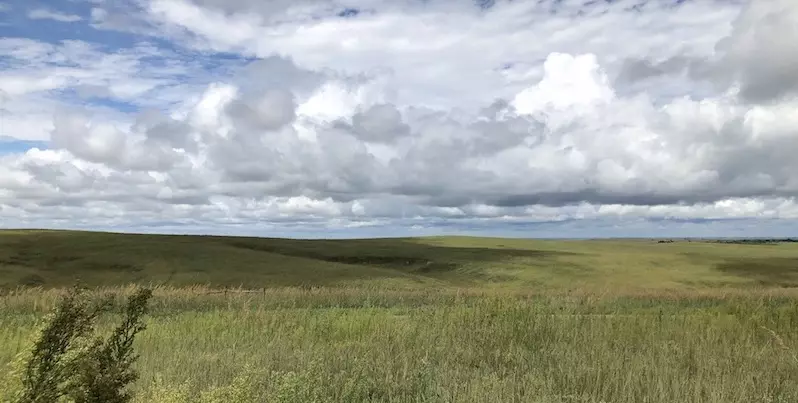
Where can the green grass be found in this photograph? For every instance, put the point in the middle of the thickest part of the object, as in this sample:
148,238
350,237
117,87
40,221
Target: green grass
292,344
447,319
58,258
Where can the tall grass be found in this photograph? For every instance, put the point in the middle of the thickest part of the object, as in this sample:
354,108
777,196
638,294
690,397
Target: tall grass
452,345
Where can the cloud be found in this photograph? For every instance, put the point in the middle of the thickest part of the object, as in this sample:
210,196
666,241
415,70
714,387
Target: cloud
40,80
759,53
46,14
422,43
397,117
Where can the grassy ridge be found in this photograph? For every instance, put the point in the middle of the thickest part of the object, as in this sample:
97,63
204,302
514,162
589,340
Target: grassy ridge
57,258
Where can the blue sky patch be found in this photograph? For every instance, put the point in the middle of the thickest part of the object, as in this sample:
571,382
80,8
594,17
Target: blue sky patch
11,146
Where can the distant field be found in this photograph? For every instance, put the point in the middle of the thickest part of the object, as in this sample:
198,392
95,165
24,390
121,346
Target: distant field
58,258
449,319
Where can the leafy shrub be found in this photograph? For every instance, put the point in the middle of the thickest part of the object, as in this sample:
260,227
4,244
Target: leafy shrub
67,364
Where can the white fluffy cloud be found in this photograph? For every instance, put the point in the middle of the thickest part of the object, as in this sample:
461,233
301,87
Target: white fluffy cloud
405,114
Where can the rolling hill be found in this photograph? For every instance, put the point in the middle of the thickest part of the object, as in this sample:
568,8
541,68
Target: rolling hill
59,258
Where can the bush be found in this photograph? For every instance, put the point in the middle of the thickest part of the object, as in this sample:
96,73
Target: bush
67,362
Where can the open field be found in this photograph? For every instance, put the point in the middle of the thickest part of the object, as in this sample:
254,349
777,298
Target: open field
57,258
433,319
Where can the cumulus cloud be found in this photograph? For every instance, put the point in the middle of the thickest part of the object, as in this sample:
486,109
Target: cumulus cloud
421,43
336,125
759,55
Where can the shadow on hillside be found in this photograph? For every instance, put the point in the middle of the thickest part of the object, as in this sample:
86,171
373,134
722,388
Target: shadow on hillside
400,254
50,255
766,271
52,258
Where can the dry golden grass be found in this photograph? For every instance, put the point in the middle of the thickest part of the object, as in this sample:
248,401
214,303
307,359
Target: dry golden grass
452,345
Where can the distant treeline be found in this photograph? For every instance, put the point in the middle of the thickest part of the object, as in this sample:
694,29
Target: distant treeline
757,241
752,241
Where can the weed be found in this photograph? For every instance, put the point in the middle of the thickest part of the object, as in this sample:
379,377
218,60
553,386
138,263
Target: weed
66,363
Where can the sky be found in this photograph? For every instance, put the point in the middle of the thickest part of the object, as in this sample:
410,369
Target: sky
365,118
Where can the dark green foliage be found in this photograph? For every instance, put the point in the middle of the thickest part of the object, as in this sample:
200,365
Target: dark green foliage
760,241
66,363
107,367
48,367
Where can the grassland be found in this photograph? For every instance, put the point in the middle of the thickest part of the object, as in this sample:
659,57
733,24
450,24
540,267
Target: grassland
432,319
58,258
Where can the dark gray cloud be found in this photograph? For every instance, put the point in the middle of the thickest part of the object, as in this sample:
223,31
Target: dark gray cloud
760,54
380,123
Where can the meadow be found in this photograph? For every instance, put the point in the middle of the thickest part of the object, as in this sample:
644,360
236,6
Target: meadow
448,319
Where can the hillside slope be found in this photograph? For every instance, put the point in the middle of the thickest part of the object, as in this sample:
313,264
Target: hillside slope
58,258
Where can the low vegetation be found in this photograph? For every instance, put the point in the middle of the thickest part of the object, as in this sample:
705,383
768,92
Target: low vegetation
67,361
425,320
